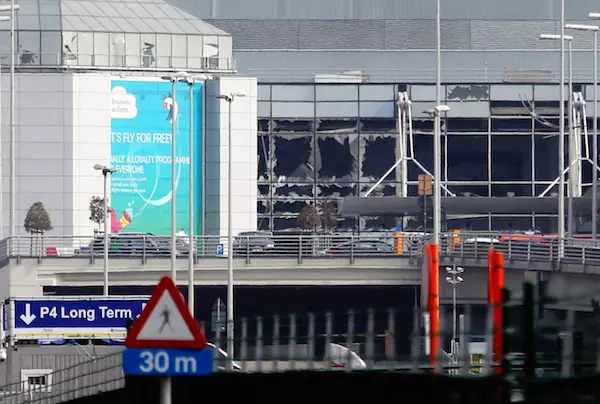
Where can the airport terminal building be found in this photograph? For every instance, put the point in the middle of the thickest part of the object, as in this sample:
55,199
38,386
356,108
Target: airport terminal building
320,122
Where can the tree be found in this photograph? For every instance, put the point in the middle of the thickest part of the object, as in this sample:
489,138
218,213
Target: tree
37,221
309,218
328,211
97,210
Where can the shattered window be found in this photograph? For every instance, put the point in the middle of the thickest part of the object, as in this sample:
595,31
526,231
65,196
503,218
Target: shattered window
336,158
263,125
292,158
382,189
288,205
378,154
337,125
423,146
293,125
284,223
467,92
377,223
378,125
337,191
262,206
264,148
294,190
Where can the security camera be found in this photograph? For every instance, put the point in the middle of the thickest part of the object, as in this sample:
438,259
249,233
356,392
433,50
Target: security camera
2,355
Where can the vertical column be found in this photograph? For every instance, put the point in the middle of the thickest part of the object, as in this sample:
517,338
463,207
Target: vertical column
495,286
433,301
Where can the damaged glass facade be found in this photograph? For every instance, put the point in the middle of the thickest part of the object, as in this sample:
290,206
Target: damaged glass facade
319,142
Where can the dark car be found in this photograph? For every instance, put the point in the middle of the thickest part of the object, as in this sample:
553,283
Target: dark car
136,244
253,242
360,247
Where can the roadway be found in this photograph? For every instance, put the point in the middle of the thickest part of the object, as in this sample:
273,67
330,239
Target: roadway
575,273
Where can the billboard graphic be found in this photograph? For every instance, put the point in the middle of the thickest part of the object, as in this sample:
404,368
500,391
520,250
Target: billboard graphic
142,115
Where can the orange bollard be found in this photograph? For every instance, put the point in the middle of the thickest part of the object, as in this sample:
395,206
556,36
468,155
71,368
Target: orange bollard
433,302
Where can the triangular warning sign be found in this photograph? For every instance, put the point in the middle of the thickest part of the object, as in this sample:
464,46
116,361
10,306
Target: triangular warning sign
166,322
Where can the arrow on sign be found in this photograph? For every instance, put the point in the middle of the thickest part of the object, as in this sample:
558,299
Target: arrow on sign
28,317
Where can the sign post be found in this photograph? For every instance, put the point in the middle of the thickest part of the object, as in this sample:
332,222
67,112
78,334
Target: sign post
166,340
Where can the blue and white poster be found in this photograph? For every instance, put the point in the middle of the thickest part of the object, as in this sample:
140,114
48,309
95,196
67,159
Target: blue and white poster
142,115
83,317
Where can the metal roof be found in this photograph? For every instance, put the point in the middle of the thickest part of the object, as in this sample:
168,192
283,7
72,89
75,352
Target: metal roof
119,16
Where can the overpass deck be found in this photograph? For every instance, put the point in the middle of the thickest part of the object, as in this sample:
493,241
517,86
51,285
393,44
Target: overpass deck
290,260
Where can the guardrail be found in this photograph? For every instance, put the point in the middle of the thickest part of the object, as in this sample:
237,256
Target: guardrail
457,246
150,247
521,247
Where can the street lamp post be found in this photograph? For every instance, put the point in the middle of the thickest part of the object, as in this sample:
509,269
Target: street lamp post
2,19
594,29
230,345
437,137
569,39
454,279
191,80
561,146
106,171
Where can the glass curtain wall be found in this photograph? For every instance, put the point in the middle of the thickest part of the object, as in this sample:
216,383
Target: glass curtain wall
319,142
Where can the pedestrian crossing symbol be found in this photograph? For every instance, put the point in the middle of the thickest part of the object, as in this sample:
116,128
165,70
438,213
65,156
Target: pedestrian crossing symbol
166,322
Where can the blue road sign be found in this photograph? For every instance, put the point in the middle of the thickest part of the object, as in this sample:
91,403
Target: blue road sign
86,317
220,249
168,362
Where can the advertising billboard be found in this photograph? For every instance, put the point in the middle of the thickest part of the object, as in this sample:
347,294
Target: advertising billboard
141,126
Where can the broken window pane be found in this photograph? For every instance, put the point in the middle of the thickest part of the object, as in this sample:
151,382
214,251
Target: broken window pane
378,154
263,125
336,158
264,223
377,223
467,158
423,125
288,205
263,206
511,158
467,92
263,147
340,125
293,125
382,189
337,190
263,190
378,125
510,108
294,190
346,224
293,156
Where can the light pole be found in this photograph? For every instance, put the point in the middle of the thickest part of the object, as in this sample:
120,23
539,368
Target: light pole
437,138
569,39
106,171
2,19
561,146
229,98
594,29
12,8
454,279
191,80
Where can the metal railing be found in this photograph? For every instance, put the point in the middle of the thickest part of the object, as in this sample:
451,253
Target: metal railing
456,246
120,61
521,247
84,379
146,247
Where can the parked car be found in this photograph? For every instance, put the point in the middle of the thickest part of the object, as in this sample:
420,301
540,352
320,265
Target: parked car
253,242
135,244
358,247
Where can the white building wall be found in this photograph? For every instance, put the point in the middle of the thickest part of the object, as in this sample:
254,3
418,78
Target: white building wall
62,129
244,153
63,126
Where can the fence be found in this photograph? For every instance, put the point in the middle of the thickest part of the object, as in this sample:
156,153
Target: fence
390,341
527,248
